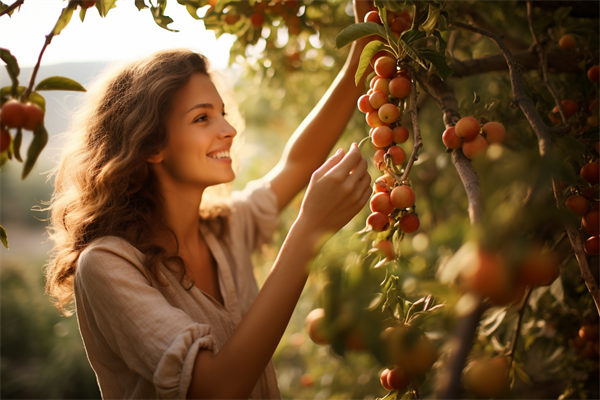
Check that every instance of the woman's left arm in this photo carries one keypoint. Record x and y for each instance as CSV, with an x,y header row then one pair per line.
x,y
310,144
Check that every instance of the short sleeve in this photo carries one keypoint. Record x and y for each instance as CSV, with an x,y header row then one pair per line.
x,y
254,214
127,316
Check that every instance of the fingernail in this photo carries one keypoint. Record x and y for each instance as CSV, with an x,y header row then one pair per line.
x,y
338,152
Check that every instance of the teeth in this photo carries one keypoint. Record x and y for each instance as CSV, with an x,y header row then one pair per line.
x,y
220,154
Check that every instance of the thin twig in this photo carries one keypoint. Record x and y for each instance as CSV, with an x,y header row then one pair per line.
x,y
11,7
36,68
418,143
513,346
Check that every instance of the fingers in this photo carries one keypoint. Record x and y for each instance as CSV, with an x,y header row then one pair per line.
x,y
344,167
328,165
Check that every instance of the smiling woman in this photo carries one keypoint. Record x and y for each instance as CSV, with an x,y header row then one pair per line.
x,y
163,284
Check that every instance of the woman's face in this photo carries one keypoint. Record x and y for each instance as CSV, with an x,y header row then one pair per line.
x,y
199,138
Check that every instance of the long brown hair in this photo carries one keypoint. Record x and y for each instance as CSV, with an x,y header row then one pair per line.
x,y
103,183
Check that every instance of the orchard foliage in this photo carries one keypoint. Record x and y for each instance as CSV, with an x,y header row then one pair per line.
x,y
474,272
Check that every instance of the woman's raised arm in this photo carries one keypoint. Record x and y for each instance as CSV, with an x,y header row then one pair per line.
x,y
313,140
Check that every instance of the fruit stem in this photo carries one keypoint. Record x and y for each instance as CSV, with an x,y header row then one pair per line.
x,y
11,7
418,143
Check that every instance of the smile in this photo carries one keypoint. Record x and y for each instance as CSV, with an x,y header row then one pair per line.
x,y
219,154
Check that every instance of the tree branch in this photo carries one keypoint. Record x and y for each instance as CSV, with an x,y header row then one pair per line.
x,y
418,143
11,7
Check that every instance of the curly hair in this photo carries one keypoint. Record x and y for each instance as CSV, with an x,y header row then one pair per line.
x,y
103,183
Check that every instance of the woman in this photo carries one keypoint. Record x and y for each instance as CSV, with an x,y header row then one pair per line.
x,y
166,300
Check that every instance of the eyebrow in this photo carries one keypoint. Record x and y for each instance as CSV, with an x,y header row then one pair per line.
x,y
203,105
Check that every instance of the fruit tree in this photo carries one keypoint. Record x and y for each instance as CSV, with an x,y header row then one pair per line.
x,y
474,272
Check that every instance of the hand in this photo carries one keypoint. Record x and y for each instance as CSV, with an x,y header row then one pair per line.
x,y
337,191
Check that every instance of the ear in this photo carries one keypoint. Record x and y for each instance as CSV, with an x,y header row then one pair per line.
x,y
155,158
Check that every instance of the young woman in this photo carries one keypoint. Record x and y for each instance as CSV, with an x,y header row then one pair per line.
x,y
165,295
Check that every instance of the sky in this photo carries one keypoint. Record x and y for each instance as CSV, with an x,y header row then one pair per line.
x,y
125,33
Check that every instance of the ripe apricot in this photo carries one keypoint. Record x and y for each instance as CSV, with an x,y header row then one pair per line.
x,y
592,121
5,139
402,197
420,357
588,333
364,105
380,202
592,246
450,139
231,18
374,81
385,67
377,55
570,107
486,275
539,269
386,181
409,223
398,155
590,222
380,186
593,74
383,378
577,204
494,132
388,113
406,15
399,25
378,221
373,119
487,378
381,85
591,172
467,128
378,160
377,99
33,116
257,19
314,324
12,114
476,147
387,249
567,42
373,16
399,87
400,134
382,136
398,379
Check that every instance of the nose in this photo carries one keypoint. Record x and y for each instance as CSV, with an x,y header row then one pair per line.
x,y
227,130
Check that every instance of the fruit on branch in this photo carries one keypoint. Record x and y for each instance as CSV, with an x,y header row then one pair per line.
x,y
378,99
231,18
373,16
406,15
398,379
386,247
487,378
486,275
567,42
314,324
381,85
467,128
385,67
588,333
539,269
591,222
388,113
5,139
33,116
364,105
409,223
383,378
475,147
494,132
12,114
592,246
592,121
384,183
398,155
570,107
378,160
382,136
402,197
373,119
380,202
591,172
577,204
257,19
450,139
399,25
399,87
593,74
400,134
378,221
378,55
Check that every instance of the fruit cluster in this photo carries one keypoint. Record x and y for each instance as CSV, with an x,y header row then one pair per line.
x,y
582,204
466,134
257,13
398,22
586,342
411,356
15,114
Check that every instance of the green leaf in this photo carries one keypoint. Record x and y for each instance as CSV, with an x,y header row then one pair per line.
x,y
4,237
392,5
5,92
159,16
439,61
432,19
38,100
4,7
40,138
60,83
63,20
365,58
12,66
105,6
476,98
412,53
442,22
441,42
358,31
389,35
82,13
16,144
591,134
561,13
522,375
409,37
141,4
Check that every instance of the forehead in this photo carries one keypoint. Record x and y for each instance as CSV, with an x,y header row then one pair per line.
x,y
199,89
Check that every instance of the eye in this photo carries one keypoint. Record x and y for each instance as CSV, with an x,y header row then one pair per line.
x,y
201,118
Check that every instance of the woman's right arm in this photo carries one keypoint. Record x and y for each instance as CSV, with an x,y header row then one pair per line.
x,y
337,191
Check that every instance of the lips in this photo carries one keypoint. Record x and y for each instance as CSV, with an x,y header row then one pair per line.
x,y
220,153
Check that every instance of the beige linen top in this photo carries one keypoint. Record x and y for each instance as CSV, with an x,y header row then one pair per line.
x,y
141,337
